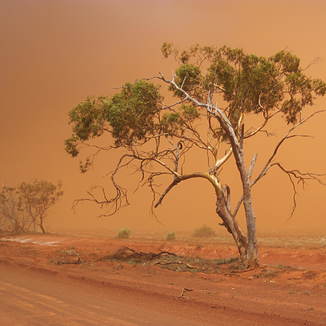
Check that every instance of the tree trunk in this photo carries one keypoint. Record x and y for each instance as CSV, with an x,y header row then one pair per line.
x,y
41,225
247,250
252,250
249,255
232,227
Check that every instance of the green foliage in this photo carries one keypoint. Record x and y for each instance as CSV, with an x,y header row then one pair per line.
x,y
166,49
71,146
24,208
170,236
249,83
124,234
40,192
188,77
240,83
189,112
131,112
204,232
290,63
173,123
87,118
128,116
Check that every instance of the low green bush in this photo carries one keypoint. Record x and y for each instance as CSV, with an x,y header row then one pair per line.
x,y
170,236
124,234
204,232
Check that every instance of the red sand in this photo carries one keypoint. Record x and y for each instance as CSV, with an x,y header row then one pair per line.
x,y
274,294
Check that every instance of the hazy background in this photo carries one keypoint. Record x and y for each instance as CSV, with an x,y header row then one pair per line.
x,y
54,53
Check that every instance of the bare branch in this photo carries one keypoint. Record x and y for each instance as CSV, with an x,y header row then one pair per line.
x,y
167,190
267,118
313,62
252,165
237,207
216,111
100,148
301,122
176,174
279,144
301,177
220,88
213,181
269,163
173,105
221,161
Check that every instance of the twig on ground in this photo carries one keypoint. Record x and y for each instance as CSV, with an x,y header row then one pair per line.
x,y
183,291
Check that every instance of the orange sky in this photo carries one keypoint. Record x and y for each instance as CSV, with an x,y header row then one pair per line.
x,y
54,53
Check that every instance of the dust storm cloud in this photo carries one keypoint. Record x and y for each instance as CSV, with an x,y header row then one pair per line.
x,y
55,53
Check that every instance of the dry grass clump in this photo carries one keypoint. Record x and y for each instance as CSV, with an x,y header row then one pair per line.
x,y
170,236
204,232
124,234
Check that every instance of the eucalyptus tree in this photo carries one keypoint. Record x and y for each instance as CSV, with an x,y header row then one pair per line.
x,y
24,208
216,93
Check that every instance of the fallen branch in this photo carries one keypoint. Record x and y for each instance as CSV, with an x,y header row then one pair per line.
x,y
183,291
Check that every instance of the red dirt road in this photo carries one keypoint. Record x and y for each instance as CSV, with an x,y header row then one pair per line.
x,y
34,291
30,298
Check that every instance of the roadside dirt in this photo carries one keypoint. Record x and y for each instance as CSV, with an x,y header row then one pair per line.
x,y
288,289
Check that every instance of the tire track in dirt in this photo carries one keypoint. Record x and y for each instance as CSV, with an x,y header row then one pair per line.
x,y
32,299
37,308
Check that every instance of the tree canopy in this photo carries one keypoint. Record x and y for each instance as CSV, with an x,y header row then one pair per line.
x,y
245,82
24,208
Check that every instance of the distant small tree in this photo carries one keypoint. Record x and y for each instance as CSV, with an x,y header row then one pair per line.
x,y
13,217
218,91
24,208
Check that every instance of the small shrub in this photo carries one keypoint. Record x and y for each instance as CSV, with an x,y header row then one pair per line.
x,y
170,236
124,234
204,232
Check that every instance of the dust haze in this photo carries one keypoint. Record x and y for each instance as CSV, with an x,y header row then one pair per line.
x,y
56,53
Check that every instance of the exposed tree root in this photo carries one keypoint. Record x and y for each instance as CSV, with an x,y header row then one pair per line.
x,y
168,260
